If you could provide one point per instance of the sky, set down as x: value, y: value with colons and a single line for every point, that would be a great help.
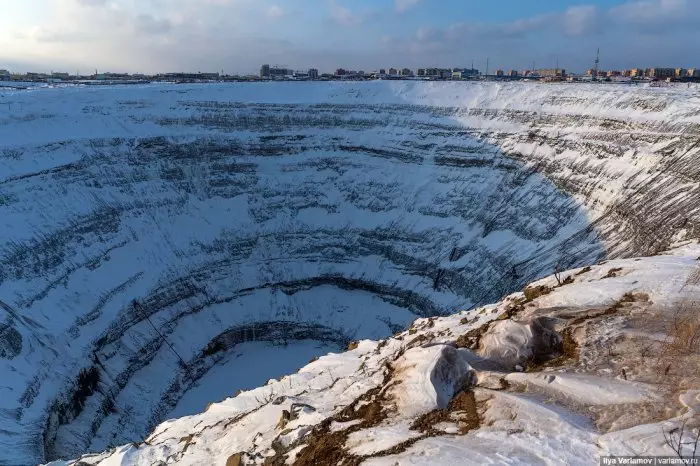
x: 237, y: 36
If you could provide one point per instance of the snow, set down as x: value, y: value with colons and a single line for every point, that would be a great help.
x: 540, y: 417
x: 248, y: 366
x: 519, y: 431
x: 428, y: 378
x: 377, y: 439
x: 645, y: 439
x: 258, y: 214
x: 585, y: 389
x: 510, y: 342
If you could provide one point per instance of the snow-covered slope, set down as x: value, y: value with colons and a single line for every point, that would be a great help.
x: 553, y: 377
x: 297, y: 216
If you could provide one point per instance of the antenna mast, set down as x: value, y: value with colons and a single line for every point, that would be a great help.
x: 597, y: 65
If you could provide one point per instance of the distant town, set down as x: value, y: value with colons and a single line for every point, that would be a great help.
x: 281, y: 73
x: 545, y: 74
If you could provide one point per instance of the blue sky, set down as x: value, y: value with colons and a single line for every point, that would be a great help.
x: 238, y: 35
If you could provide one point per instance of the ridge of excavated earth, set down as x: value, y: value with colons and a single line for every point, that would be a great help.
x: 154, y: 239
x: 570, y: 370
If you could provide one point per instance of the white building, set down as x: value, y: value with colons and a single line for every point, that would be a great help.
x: 464, y: 73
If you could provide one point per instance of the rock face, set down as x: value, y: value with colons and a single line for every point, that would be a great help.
x: 149, y: 231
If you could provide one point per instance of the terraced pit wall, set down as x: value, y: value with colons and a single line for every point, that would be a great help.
x: 147, y: 231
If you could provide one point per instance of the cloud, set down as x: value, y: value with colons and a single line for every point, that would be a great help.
x: 42, y: 34
x: 166, y: 35
x: 428, y: 34
x: 506, y: 40
x: 275, y: 12
x: 404, y: 5
x: 498, y: 31
x: 343, y: 16
x: 525, y: 25
x: 147, y: 24
x: 92, y: 2
x: 580, y: 20
x: 647, y: 13
x: 575, y: 21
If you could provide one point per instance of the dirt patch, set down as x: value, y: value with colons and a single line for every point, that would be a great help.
x: 235, y: 460
x: 584, y: 270
x: 567, y: 281
x: 324, y: 447
x: 569, y: 350
x: 189, y: 440
x: 467, y: 320
x: 624, y: 416
x: 461, y: 411
x: 612, y: 273
x: 511, y: 312
x: 569, y: 346
x: 380, y: 345
x: 614, y: 309
x: 670, y: 368
x: 420, y: 340
x: 534, y: 292
x: 678, y: 357
x: 472, y: 338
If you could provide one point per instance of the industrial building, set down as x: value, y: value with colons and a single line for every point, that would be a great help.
x: 662, y: 73
x: 267, y: 71
x: 552, y: 72
x: 464, y: 73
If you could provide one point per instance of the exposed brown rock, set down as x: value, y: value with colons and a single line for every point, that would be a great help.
x: 284, y: 419
x: 235, y: 460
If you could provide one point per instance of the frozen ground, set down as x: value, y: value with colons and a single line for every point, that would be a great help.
x: 149, y: 233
